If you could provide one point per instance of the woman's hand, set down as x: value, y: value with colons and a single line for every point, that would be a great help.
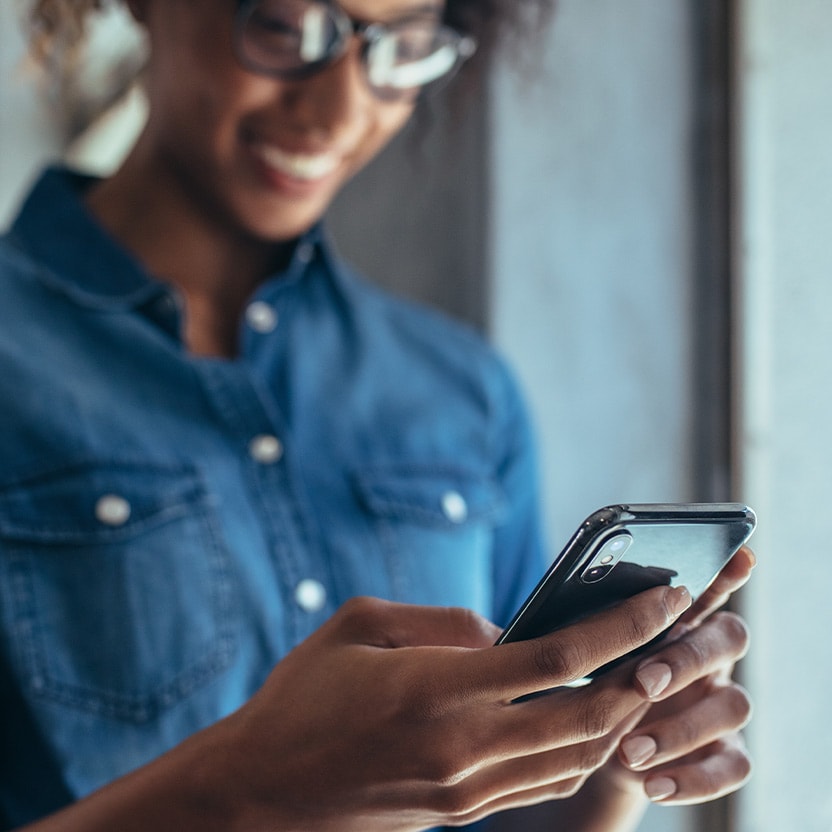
x: 370, y: 725
x: 688, y: 748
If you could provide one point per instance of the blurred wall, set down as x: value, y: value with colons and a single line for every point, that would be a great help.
x: 26, y: 136
x: 592, y: 244
x: 784, y: 258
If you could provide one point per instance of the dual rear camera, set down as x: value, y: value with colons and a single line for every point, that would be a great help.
x: 606, y: 557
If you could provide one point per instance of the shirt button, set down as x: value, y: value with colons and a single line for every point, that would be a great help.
x: 305, y: 252
x: 266, y: 449
x: 310, y: 595
x: 454, y: 507
x: 112, y: 510
x: 261, y: 317
x: 166, y: 305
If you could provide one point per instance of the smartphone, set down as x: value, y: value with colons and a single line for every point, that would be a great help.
x: 621, y: 550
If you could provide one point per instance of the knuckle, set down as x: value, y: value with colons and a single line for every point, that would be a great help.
x: 685, y: 734
x: 711, y: 782
x: 735, y: 769
x: 745, y: 765
x: 454, y: 801
x: 741, y: 705
x: 567, y: 788
x: 471, y: 621
x: 554, y: 659
x: 447, y: 767
x: 645, y: 618
x: 596, y: 718
x: 593, y: 755
x: 637, y: 630
x: 690, y: 652
x: 361, y: 611
x: 735, y: 630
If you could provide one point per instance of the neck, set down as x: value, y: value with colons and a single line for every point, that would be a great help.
x: 178, y: 239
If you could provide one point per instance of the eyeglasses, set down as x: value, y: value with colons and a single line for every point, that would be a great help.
x: 293, y: 39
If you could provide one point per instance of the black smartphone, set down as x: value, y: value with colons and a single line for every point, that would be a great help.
x: 621, y: 550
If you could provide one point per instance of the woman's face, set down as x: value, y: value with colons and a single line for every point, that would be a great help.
x: 262, y: 156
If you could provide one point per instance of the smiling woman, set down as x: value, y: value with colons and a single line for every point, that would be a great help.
x: 253, y: 509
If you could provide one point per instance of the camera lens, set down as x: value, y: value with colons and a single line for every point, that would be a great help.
x: 595, y: 574
x: 619, y: 544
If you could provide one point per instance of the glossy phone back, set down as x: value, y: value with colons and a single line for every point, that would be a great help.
x: 624, y: 549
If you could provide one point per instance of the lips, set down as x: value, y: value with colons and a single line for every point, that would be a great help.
x: 305, y: 167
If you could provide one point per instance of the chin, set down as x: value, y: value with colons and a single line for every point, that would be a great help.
x: 263, y: 220
x: 279, y: 231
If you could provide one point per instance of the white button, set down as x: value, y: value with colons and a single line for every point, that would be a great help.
x: 455, y: 507
x: 112, y: 510
x: 305, y: 253
x: 167, y: 304
x: 261, y: 317
x: 310, y: 595
x: 266, y: 449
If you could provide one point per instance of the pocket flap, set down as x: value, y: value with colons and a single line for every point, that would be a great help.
x: 432, y: 495
x: 90, y: 502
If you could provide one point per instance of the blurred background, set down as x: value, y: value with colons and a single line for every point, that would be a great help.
x: 637, y: 212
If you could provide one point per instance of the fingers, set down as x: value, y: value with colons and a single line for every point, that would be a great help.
x: 564, y: 717
x: 725, y: 710
x: 714, y: 646
x: 559, y: 762
x: 524, y: 780
x: 733, y: 575
x: 717, y: 770
x: 571, y: 653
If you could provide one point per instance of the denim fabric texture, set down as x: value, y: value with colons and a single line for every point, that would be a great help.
x: 172, y: 525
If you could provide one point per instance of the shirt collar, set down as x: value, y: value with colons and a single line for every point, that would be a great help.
x: 82, y: 260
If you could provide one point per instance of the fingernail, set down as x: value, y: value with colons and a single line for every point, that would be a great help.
x: 654, y: 678
x: 638, y: 750
x: 660, y: 788
x: 678, y: 599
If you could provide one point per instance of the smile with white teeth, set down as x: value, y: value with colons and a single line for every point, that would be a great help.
x: 298, y: 165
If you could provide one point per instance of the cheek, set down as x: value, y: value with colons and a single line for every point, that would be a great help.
x: 194, y: 80
x: 202, y: 110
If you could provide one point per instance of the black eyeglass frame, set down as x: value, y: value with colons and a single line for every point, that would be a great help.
x: 347, y: 28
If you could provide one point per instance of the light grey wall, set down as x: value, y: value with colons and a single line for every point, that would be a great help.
x: 592, y: 251
x: 785, y: 261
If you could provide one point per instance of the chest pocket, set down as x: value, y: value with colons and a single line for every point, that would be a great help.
x: 119, y: 587
x: 434, y: 524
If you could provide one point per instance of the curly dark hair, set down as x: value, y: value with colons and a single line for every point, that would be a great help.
x: 58, y: 29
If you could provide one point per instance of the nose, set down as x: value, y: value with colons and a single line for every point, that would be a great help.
x: 333, y: 102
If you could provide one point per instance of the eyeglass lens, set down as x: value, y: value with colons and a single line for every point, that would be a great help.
x: 293, y: 38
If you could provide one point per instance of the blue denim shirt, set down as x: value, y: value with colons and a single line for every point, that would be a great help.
x: 171, y: 525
